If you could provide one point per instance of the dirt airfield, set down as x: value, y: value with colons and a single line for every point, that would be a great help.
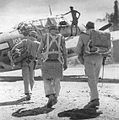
x: 74, y: 94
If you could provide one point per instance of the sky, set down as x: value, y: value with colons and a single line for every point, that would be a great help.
x: 15, y: 11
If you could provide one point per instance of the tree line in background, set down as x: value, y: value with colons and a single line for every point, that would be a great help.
x: 112, y: 18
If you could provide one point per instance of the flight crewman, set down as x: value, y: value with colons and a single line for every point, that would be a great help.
x: 29, y: 63
x: 92, y: 63
x: 54, y: 61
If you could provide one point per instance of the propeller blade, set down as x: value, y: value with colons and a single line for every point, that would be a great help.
x: 106, y: 26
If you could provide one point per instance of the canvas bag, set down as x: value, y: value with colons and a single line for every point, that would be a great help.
x: 100, y: 42
x: 53, y: 48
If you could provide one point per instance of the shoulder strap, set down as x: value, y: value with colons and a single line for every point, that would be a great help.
x: 37, y: 50
x: 59, y: 42
x: 47, y: 42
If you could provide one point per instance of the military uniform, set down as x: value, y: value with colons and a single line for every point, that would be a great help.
x: 92, y: 63
x: 52, y: 70
x: 29, y: 63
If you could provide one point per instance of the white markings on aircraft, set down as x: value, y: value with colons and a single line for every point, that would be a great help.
x: 4, y: 45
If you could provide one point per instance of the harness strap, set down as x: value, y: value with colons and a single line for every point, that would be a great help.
x: 47, y: 52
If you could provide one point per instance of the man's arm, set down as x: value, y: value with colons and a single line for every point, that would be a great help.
x: 79, y: 46
x: 78, y: 14
x: 38, y: 31
x: 79, y: 50
x: 64, y: 53
x: 42, y: 44
x: 67, y: 13
x: 40, y: 50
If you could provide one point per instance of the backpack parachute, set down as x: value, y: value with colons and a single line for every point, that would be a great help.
x: 53, y: 48
x: 18, y: 55
x: 100, y: 42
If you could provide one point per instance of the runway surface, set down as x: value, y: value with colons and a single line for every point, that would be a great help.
x: 74, y: 94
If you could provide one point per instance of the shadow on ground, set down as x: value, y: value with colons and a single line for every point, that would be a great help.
x: 80, y: 114
x: 15, y: 102
x: 32, y: 112
x: 69, y: 78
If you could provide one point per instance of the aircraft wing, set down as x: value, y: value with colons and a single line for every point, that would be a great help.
x: 72, y: 42
x: 7, y: 41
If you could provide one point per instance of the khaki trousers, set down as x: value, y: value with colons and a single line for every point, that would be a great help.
x: 28, y: 76
x: 52, y: 87
x: 52, y: 73
x: 92, y: 65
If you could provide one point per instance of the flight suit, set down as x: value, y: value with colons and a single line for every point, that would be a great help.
x: 52, y: 71
x: 92, y: 63
x: 28, y: 64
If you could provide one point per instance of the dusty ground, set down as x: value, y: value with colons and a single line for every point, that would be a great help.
x: 74, y: 94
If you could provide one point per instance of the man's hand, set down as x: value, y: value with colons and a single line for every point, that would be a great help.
x: 65, y: 66
x: 80, y: 58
